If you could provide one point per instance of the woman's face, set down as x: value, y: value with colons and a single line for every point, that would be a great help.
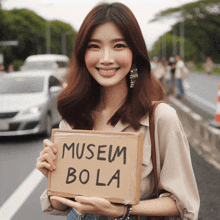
x: 108, y: 57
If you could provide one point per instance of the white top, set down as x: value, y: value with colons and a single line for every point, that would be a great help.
x: 158, y: 71
x: 179, y: 65
x: 209, y: 66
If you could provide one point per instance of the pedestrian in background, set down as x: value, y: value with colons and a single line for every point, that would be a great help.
x: 101, y: 95
x: 153, y: 64
x: 11, y: 68
x: 180, y: 77
x: 209, y: 66
x: 159, y: 71
x: 167, y: 77
x: 2, y: 69
x: 172, y: 64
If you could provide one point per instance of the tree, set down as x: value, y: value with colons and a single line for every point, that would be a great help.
x: 57, y: 29
x: 192, y: 10
x: 204, y: 34
x: 30, y: 30
x: 202, y: 26
x: 190, y: 50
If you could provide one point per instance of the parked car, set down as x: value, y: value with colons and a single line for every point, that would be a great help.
x: 57, y: 64
x: 28, y: 103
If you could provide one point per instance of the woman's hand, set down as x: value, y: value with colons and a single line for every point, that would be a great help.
x: 46, y: 160
x: 93, y: 205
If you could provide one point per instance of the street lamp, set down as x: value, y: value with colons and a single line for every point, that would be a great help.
x: 182, y: 35
x: 48, y: 47
x: 64, y: 41
x: 174, y: 43
x: 182, y: 40
x: 164, y: 47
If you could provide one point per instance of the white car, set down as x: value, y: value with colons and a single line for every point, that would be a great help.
x: 28, y: 103
x: 54, y: 63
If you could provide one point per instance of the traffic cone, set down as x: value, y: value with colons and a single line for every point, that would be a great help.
x: 216, y: 122
x: 217, y: 114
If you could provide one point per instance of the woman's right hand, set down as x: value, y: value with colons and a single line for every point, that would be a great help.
x: 46, y: 160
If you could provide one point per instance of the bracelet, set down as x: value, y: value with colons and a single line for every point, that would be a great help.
x: 127, y: 211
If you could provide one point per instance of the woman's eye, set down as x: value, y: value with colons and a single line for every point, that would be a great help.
x: 119, y: 46
x: 93, y: 46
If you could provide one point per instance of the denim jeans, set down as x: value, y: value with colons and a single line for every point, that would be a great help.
x: 179, y: 83
x: 87, y: 216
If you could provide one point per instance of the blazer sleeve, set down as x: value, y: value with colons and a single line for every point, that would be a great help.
x: 47, y: 207
x: 176, y: 172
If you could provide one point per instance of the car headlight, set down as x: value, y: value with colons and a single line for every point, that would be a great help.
x: 34, y: 110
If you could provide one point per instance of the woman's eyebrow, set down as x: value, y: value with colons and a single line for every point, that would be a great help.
x: 113, y: 40
x: 94, y: 40
x: 118, y: 39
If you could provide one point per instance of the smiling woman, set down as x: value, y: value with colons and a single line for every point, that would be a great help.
x: 109, y: 53
x: 108, y: 57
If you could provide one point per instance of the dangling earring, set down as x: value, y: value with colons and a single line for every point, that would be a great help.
x: 133, y: 77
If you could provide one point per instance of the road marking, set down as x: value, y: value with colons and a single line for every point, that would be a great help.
x: 203, y: 101
x: 20, y: 195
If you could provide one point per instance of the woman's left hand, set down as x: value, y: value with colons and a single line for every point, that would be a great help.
x: 93, y: 205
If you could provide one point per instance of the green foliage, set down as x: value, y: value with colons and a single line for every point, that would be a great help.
x: 200, y: 68
x: 204, y: 34
x: 191, y: 10
x: 17, y: 64
x: 58, y: 28
x: 190, y: 51
x: 201, y: 29
x: 30, y: 30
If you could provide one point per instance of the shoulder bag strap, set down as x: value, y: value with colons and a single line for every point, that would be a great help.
x: 153, y: 151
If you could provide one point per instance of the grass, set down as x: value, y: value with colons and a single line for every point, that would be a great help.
x: 202, y: 69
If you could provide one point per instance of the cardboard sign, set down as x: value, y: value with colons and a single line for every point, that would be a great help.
x: 100, y: 164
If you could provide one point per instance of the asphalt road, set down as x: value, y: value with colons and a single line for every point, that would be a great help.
x: 21, y: 185
x: 201, y: 96
x: 17, y: 160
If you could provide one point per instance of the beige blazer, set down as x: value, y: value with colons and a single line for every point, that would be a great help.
x: 175, y: 171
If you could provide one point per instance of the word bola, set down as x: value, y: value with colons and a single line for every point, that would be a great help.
x: 84, y: 177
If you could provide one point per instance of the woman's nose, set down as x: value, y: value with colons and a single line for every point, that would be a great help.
x: 107, y: 57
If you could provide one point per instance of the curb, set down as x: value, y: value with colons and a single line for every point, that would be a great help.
x: 204, y: 138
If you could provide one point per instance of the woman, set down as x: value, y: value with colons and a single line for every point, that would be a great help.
x: 104, y: 93
x: 179, y: 77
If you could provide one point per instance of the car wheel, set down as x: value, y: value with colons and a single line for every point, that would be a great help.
x: 48, y: 125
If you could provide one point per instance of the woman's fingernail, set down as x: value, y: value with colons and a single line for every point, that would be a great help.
x: 53, y: 166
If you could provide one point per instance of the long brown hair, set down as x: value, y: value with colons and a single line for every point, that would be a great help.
x: 77, y: 101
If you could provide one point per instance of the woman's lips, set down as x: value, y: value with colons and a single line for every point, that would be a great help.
x: 107, y: 72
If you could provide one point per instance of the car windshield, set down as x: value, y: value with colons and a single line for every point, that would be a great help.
x: 18, y: 85
x: 40, y: 65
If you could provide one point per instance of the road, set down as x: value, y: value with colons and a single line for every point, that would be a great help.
x: 21, y: 184
x: 202, y: 94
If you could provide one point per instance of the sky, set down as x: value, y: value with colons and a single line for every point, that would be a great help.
x: 73, y: 12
